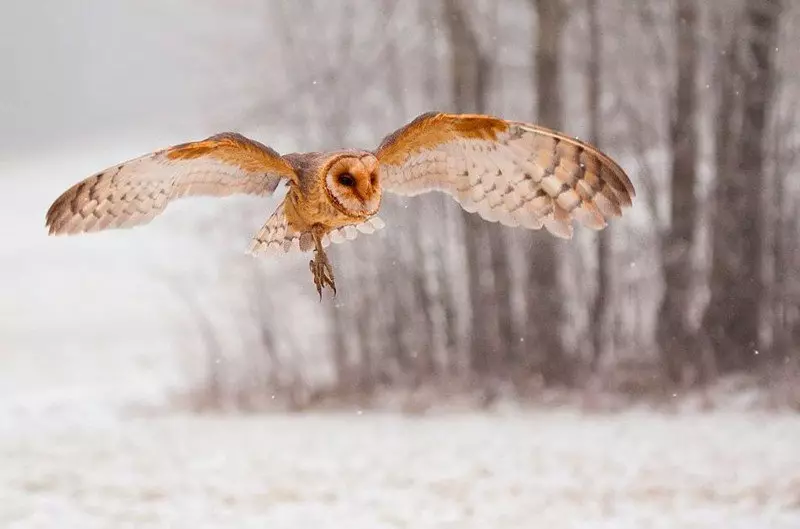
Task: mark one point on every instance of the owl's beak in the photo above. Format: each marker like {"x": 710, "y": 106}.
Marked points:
{"x": 363, "y": 190}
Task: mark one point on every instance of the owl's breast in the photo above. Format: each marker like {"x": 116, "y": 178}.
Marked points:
{"x": 304, "y": 210}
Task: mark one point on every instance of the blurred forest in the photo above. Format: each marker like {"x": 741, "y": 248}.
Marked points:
{"x": 699, "y": 101}
{"x": 699, "y": 282}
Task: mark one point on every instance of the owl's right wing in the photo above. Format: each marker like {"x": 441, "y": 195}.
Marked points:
{"x": 136, "y": 191}
{"x": 515, "y": 173}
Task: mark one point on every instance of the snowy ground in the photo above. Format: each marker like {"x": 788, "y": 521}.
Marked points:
{"x": 519, "y": 470}
{"x": 85, "y": 329}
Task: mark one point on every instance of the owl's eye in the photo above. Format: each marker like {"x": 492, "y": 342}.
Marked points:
{"x": 346, "y": 179}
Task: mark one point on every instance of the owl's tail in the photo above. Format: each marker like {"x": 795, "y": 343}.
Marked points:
{"x": 277, "y": 237}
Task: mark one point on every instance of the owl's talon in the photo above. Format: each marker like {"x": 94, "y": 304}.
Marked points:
{"x": 317, "y": 282}
{"x": 322, "y": 271}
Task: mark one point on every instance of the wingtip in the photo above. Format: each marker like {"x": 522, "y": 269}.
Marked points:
{"x": 50, "y": 225}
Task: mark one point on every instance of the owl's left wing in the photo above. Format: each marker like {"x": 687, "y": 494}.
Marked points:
{"x": 515, "y": 173}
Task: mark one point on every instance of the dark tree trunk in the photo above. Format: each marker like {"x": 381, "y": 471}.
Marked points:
{"x": 733, "y": 317}
{"x": 500, "y": 250}
{"x": 674, "y": 334}
{"x": 469, "y": 93}
{"x": 543, "y": 344}
{"x": 600, "y": 307}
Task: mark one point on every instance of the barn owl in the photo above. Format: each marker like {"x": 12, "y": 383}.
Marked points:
{"x": 510, "y": 172}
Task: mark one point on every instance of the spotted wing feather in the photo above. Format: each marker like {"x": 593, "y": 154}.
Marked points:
{"x": 515, "y": 173}
{"x": 136, "y": 191}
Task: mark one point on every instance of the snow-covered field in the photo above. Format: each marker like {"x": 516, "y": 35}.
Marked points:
{"x": 86, "y": 330}
{"x": 505, "y": 470}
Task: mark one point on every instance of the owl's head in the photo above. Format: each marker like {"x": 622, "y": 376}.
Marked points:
{"x": 353, "y": 184}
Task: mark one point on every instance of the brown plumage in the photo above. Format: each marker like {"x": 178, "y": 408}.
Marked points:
{"x": 510, "y": 172}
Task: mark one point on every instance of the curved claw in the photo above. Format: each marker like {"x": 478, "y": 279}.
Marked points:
{"x": 317, "y": 281}
{"x": 322, "y": 271}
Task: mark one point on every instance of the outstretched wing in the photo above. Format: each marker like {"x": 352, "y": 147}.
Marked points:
{"x": 510, "y": 172}
{"x": 135, "y": 191}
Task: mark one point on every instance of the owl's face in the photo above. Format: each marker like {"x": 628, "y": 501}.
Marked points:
{"x": 353, "y": 184}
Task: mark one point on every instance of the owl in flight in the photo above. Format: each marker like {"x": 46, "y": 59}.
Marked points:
{"x": 510, "y": 172}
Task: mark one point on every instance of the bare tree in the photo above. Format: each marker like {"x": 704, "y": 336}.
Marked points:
{"x": 733, "y": 318}
{"x": 600, "y": 308}
{"x": 674, "y": 333}
{"x": 545, "y": 300}
{"x": 785, "y": 154}
{"x": 469, "y": 70}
